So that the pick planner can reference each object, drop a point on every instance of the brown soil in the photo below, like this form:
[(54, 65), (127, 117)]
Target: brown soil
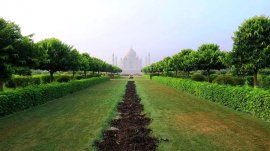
[(129, 132)]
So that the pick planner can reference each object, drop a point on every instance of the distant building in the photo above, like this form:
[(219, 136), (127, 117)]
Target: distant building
[(131, 64)]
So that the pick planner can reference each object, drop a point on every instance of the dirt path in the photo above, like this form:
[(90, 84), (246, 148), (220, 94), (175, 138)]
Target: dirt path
[(128, 132)]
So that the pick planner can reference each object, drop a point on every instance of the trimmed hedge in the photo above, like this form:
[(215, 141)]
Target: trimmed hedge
[(246, 99), (20, 99), (198, 77)]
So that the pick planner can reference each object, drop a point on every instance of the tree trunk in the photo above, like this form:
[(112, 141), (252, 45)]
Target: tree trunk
[(51, 76), (188, 74), (255, 78), (176, 72), (208, 75), (1, 85)]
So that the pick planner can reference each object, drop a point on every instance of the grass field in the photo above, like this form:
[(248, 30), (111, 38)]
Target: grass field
[(180, 120), (69, 123), (184, 122)]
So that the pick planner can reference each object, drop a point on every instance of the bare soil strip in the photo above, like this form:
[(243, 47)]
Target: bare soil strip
[(129, 130)]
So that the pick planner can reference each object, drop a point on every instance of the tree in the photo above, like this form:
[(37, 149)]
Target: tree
[(75, 61), (188, 61), (55, 55), (252, 44), (166, 65), (15, 50), (209, 58), (176, 63), (85, 63)]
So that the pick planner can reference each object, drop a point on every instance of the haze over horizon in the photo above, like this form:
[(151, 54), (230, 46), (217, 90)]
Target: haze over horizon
[(161, 28)]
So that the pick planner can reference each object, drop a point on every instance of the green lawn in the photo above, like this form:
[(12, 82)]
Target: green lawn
[(69, 123), (185, 122)]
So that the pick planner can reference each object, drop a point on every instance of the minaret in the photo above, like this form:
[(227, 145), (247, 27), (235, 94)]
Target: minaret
[(149, 58), (121, 63), (146, 61), (113, 59)]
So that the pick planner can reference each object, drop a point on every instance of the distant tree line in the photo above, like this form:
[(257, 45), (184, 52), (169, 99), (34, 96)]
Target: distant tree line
[(20, 53), (250, 53)]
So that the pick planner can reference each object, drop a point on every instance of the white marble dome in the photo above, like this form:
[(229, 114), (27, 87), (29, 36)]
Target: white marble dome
[(130, 53), (131, 64)]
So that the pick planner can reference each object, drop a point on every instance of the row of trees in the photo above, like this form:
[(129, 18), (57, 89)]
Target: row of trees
[(207, 57), (251, 52), (18, 51)]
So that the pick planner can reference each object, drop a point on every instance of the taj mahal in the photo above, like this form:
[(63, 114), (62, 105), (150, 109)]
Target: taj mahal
[(130, 64)]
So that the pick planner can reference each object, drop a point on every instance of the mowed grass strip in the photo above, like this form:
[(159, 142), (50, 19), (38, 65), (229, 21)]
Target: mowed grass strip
[(185, 122), (69, 123)]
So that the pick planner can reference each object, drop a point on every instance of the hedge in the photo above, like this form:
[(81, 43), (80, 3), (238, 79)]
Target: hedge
[(246, 99), (23, 98)]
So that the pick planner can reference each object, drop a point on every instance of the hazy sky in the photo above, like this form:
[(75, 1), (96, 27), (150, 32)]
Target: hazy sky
[(161, 27)]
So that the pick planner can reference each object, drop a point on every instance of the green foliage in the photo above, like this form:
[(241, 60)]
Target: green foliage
[(44, 78), (224, 79), (198, 77), (245, 99), (22, 81), (239, 81), (27, 97), (15, 49), (63, 78), (252, 45), (213, 77), (55, 54), (78, 77), (209, 57), (266, 82)]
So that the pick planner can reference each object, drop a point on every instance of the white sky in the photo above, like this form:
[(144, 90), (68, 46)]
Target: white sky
[(161, 27)]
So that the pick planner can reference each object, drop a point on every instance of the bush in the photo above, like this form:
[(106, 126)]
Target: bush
[(246, 99), (239, 81), (21, 81), (265, 82), (198, 77), (79, 77), (224, 79), (213, 77), (20, 99), (63, 78), (10, 84), (45, 79), (203, 72)]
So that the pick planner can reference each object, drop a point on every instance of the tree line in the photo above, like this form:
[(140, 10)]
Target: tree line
[(18, 52), (250, 53)]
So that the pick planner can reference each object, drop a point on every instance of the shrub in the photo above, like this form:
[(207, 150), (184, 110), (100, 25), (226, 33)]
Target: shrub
[(246, 99), (64, 78), (198, 77), (21, 81), (45, 79), (79, 77), (249, 80), (224, 79), (239, 81), (34, 95), (213, 77), (265, 82)]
